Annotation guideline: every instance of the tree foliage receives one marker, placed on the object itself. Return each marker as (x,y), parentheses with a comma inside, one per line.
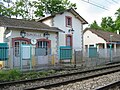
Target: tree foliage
(108,24)
(6,10)
(51,6)
(28,9)
(117,21)
(94,25)
(23,9)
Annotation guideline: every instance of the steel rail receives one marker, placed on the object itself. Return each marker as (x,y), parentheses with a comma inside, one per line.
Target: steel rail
(109,86)
(56,76)
(71,81)
(63,75)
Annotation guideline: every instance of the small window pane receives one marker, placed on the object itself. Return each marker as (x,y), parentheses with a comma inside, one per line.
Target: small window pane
(68,21)
(44,45)
(40,44)
(68,40)
(17,47)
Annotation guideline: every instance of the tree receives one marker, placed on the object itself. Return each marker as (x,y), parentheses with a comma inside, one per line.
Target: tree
(28,9)
(1,8)
(117,21)
(118,13)
(6,10)
(8,2)
(108,24)
(94,25)
(23,8)
(51,6)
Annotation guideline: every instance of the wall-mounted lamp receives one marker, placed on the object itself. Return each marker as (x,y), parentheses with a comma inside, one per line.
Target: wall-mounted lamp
(22,33)
(46,34)
(71,30)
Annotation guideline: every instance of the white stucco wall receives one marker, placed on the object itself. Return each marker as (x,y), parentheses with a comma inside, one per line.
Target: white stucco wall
(49,22)
(54,42)
(16,33)
(60,22)
(2,30)
(91,38)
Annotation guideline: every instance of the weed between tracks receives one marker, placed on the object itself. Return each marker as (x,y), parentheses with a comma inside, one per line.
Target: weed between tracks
(15,75)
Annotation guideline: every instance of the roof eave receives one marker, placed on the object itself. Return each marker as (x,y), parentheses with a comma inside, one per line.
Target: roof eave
(68,10)
(78,16)
(29,28)
(45,18)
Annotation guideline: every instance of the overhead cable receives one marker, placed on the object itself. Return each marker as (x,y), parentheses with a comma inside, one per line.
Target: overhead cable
(114,1)
(102,7)
(108,1)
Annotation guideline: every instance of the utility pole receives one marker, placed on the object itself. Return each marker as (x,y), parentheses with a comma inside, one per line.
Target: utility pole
(111,48)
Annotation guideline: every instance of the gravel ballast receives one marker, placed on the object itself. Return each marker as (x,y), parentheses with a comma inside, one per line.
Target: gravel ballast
(90,84)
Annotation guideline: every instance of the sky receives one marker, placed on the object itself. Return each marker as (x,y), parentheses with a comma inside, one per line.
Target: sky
(90,12)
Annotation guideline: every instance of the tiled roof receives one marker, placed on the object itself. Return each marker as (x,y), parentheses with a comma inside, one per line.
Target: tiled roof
(105,35)
(26,24)
(68,10)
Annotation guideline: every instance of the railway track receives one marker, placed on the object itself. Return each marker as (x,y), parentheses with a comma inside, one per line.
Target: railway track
(111,86)
(55,80)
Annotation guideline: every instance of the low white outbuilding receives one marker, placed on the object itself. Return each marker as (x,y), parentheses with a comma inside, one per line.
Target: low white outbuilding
(107,43)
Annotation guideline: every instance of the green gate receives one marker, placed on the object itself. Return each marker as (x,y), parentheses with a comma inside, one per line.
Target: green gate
(3,51)
(65,52)
(92,52)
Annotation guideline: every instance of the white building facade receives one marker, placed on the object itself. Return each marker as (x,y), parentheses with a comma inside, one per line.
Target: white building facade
(72,24)
(100,38)
(42,39)
(107,43)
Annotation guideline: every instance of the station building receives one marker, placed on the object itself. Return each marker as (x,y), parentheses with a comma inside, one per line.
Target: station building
(42,39)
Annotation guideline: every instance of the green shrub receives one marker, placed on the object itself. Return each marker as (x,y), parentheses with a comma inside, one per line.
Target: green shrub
(31,75)
(14,74)
(10,75)
(3,76)
(43,73)
(51,71)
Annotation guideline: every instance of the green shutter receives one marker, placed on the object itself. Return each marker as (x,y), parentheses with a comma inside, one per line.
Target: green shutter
(65,52)
(92,52)
(3,51)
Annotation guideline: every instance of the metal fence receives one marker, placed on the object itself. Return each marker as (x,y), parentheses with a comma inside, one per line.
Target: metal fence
(40,58)
(104,56)
(81,57)
(45,58)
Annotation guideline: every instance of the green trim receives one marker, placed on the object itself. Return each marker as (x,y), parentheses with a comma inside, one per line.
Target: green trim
(3,51)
